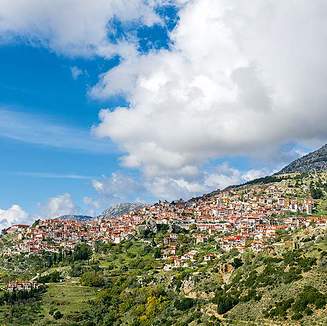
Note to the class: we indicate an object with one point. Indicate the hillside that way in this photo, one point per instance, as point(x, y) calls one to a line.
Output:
point(253, 254)
point(130, 283)
point(315, 161)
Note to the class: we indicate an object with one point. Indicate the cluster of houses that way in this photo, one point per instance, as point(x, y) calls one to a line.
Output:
point(54, 235)
point(237, 215)
point(22, 286)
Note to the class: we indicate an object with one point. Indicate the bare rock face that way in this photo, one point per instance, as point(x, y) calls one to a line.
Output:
point(226, 271)
point(315, 161)
point(121, 209)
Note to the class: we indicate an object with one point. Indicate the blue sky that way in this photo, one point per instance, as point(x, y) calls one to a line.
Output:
point(41, 89)
point(132, 100)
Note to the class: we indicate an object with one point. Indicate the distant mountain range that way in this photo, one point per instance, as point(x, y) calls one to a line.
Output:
point(315, 161)
point(111, 212)
point(80, 218)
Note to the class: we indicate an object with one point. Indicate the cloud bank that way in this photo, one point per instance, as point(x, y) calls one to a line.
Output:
point(73, 27)
point(243, 78)
point(238, 78)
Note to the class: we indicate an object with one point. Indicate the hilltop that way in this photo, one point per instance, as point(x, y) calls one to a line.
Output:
point(315, 161)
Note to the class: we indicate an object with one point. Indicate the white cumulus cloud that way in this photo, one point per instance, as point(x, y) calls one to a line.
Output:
point(117, 188)
point(13, 215)
point(120, 187)
point(71, 27)
point(222, 176)
point(240, 77)
point(60, 205)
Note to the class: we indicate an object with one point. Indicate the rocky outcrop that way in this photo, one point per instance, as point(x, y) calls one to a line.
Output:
point(315, 161)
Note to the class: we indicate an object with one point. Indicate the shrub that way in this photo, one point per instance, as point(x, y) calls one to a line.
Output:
point(309, 295)
point(251, 295)
point(51, 277)
point(92, 279)
point(281, 308)
point(76, 270)
point(237, 262)
point(307, 263)
point(292, 275)
point(225, 303)
point(57, 315)
point(184, 304)
point(297, 316)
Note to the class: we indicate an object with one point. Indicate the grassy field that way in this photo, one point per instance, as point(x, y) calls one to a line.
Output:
point(69, 298)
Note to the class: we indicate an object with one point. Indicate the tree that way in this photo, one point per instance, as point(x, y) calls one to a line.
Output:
point(157, 253)
point(316, 192)
point(225, 302)
point(51, 277)
point(82, 251)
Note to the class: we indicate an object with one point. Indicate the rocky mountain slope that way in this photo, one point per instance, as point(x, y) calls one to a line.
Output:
point(315, 161)
point(113, 211)
point(79, 218)
point(120, 209)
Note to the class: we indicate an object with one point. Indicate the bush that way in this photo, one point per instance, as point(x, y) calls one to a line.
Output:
point(307, 263)
point(53, 277)
point(251, 295)
point(237, 262)
point(184, 304)
point(93, 278)
point(316, 193)
point(309, 295)
point(76, 270)
point(297, 316)
point(292, 275)
point(225, 303)
point(281, 308)
point(57, 315)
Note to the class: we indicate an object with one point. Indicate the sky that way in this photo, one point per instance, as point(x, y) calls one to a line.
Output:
point(132, 100)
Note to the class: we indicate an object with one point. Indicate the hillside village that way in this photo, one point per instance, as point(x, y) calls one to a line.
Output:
point(239, 217)
point(210, 259)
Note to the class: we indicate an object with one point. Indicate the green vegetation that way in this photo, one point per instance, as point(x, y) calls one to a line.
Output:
point(125, 284)
point(129, 284)
point(307, 299)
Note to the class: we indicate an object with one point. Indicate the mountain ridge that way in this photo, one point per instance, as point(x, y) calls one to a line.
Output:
point(120, 209)
point(314, 161)
point(74, 217)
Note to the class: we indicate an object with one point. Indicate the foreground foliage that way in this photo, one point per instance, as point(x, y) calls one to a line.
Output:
point(125, 284)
